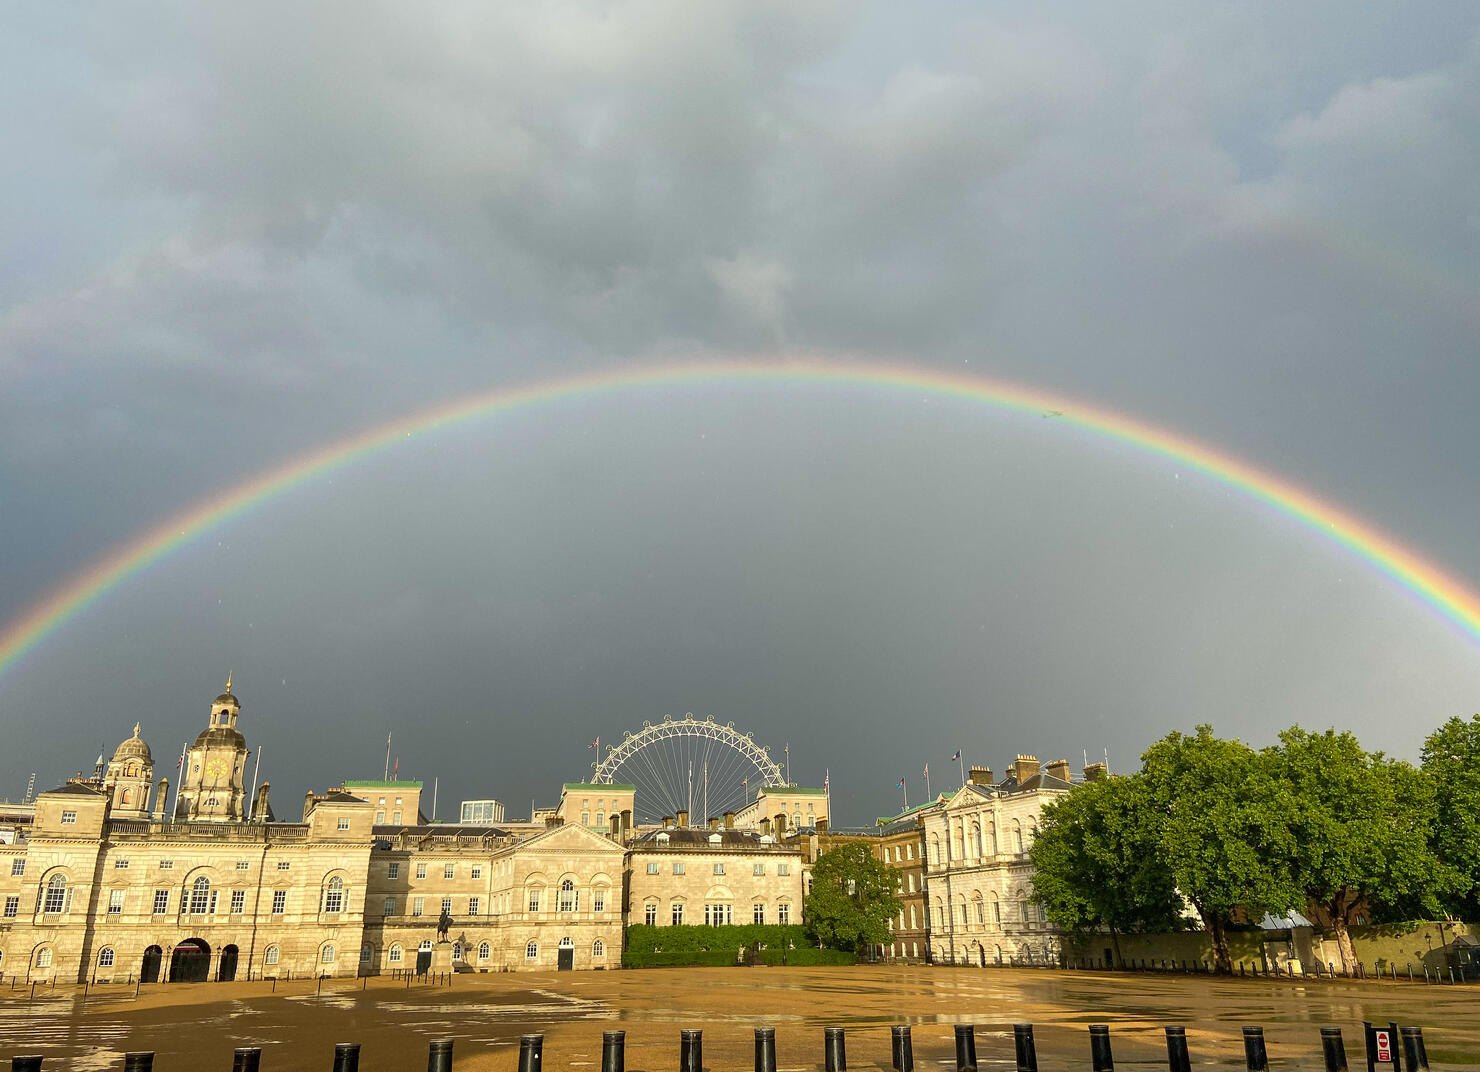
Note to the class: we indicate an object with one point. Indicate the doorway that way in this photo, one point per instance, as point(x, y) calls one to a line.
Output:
point(565, 956)
point(190, 962)
point(149, 967)
point(226, 970)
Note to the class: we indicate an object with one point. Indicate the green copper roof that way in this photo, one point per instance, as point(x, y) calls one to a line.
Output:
point(374, 784)
point(601, 787)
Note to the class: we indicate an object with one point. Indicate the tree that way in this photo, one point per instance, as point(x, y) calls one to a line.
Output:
point(1451, 761)
point(852, 898)
point(1362, 827)
point(1222, 824)
point(1098, 861)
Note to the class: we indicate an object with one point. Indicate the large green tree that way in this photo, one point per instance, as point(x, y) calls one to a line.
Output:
point(1362, 826)
point(1451, 761)
point(1098, 861)
point(852, 898)
point(1223, 830)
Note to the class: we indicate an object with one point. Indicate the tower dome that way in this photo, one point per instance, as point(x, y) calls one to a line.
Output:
point(133, 748)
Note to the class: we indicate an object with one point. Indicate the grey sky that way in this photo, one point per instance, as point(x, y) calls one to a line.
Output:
point(232, 235)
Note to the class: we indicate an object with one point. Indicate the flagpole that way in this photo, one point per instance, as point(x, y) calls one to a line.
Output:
point(256, 770)
point(904, 787)
point(927, 781)
point(962, 757)
point(184, 749)
point(387, 757)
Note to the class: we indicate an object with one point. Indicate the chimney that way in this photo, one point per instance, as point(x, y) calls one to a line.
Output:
point(626, 821)
point(260, 810)
point(713, 823)
point(1059, 769)
point(307, 805)
point(552, 821)
point(683, 818)
point(781, 824)
point(1025, 767)
point(980, 776)
point(615, 826)
point(729, 820)
point(667, 822)
point(765, 827)
point(822, 827)
point(1095, 772)
point(161, 796)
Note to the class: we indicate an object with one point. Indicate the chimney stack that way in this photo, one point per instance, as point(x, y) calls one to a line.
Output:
point(781, 824)
point(683, 818)
point(1059, 769)
point(260, 810)
point(765, 827)
point(713, 823)
point(729, 820)
point(980, 776)
point(667, 822)
point(1096, 772)
point(822, 827)
point(307, 804)
point(1025, 767)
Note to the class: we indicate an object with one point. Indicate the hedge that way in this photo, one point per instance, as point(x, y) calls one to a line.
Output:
point(723, 958)
point(642, 938)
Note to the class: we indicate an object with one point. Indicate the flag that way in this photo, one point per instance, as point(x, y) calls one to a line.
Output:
point(825, 777)
point(396, 770)
point(180, 761)
point(955, 755)
point(901, 783)
point(926, 771)
point(596, 744)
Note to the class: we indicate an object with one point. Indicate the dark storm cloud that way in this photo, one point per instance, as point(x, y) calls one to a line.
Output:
point(238, 234)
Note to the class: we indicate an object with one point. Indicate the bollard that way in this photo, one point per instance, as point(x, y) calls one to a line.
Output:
point(1178, 1060)
point(531, 1052)
point(965, 1048)
point(1415, 1057)
point(1333, 1049)
point(1100, 1057)
point(439, 1056)
point(31, 1062)
point(1256, 1059)
point(903, 1049)
point(346, 1057)
point(691, 1050)
point(246, 1059)
point(139, 1061)
point(765, 1049)
point(614, 1051)
point(834, 1050)
point(1027, 1053)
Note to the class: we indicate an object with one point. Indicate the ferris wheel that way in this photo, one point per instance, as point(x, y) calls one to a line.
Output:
point(688, 764)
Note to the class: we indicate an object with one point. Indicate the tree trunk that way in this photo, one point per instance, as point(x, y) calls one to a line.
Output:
point(1340, 909)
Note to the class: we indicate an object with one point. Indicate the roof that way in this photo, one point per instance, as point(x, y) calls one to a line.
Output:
point(220, 735)
point(134, 747)
point(226, 698)
point(373, 784)
point(697, 837)
point(447, 829)
point(1032, 784)
point(794, 790)
point(335, 796)
point(75, 789)
point(601, 787)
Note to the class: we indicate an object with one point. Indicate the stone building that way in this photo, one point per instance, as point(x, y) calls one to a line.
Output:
point(715, 876)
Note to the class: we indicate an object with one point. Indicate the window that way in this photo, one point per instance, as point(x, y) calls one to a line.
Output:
point(120, 864)
point(477, 871)
point(56, 895)
point(909, 854)
point(567, 896)
point(167, 865)
point(326, 955)
point(395, 954)
point(783, 869)
point(717, 915)
point(757, 913)
point(448, 871)
point(212, 909)
point(68, 818)
point(200, 896)
point(334, 896)
point(393, 869)
point(43, 957)
point(367, 951)
point(652, 868)
point(598, 900)
point(457, 951)
point(279, 902)
point(981, 912)
point(650, 914)
point(425, 946)
point(12, 907)
point(238, 902)
point(783, 913)
point(598, 949)
point(343, 824)
point(447, 906)
point(115, 902)
point(418, 905)
point(105, 957)
point(758, 869)
point(532, 951)
point(388, 907)
point(421, 870)
point(270, 957)
point(585, 818)
point(484, 952)
point(534, 900)
point(380, 817)
point(678, 867)
point(474, 903)
point(161, 902)
point(244, 865)
point(18, 866)
point(396, 818)
point(678, 914)
point(283, 865)
point(719, 869)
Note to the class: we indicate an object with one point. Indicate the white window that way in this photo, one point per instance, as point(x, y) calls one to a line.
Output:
point(343, 824)
point(388, 907)
point(425, 946)
point(238, 902)
point(598, 900)
point(418, 905)
point(120, 864)
point(477, 871)
point(271, 956)
point(326, 955)
point(213, 901)
point(367, 952)
point(395, 954)
point(534, 900)
point(244, 865)
point(678, 867)
point(68, 818)
point(783, 913)
point(678, 914)
point(393, 869)
point(783, 869)
point(717, 915)
point(532, 951)
point(598, 949)
point(279, 902)
point(105, 957)
point(757, 913)
point(161, 902)
point(380, 817)
point(652, 868)
point(567, 896)
point(43, 957)
point(200, 896)
point(448, 871)
point(283, 865)
point(447, 906)
point(484, 952)
point(719, 869)
point(18, 866)
point(12, 907)
point(758, 869)
point(474, 903)
point(334, 896)
point(421, 870)
point(167, 865)
point(56, 896)
point(115, 902)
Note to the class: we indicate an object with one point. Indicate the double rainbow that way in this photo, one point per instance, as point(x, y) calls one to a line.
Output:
point(1447, 596)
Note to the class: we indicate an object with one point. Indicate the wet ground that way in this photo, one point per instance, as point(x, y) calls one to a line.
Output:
point(195, 1026)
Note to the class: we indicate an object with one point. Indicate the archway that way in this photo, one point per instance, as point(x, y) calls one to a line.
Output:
point(149, 966)
point(226, 970)
point(191, 961)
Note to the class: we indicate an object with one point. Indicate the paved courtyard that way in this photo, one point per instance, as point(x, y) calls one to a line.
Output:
point(196, 1026)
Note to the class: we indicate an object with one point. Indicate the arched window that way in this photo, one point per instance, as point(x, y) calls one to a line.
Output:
point(935, 848)
point(128, 796)
point(56, 896)
point(532, 951)
point(105, 957)
point(567, 896)
point(271, 956)
point(483, 951)
point(976, 838)
point(992, 837)
point(200, 896)
point(334, 895)
point(981, 911)
point(43, 957)
point(326, 955)
point(598, 949)
point(1017, 836)
point(395, 955)
point(996, 911)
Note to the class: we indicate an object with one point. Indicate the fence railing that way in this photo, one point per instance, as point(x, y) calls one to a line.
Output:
point(1383, 1047)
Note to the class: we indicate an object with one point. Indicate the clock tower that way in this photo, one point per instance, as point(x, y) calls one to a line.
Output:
point(211, 786)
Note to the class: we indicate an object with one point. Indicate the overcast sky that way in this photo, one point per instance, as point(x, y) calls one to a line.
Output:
point(232, 233)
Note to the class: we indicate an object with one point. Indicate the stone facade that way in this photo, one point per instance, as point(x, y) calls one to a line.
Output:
point(716, 877)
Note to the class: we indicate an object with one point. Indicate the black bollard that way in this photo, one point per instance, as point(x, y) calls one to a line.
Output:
point(691, 1050)
point(903, 1049)
point(1415, 1057)
point(834, 1050)
point(1333, 1049)
point(346, 1057)
point(1178, 1059)
point(139, 1061)
point(614, 1051)
point(31, 1062)
point(531, 1052)
point(765, 1049)
point(439, 1056)
point(1027, 1053)
point(1256, 1058)
point(1100, 1057)
point(246, 1059)
point(965, 1048)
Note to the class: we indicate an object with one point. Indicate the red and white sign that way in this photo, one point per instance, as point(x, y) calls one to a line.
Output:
point(1384, 1039)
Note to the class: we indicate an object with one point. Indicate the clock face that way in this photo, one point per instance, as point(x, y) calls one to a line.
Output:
point(215, 768)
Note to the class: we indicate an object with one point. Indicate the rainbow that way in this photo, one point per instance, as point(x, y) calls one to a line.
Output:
point(1451, 599)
